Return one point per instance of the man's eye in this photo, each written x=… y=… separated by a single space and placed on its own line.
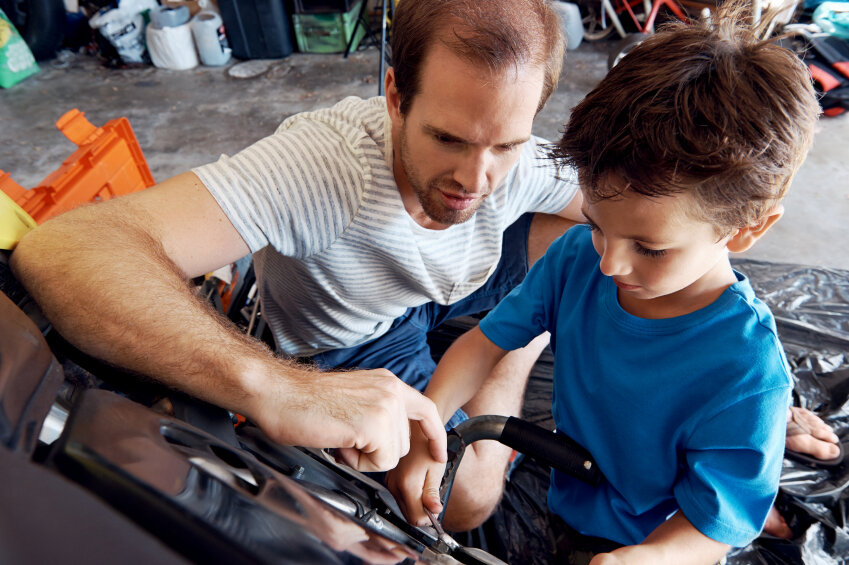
x=649 y=252
x=445 y=140
x=507 y=147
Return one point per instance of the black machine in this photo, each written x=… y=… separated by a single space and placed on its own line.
x=100 y=467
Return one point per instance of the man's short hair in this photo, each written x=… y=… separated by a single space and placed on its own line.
x=493 y=33
x=707 y=108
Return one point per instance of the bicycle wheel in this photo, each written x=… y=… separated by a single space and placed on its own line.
x=596 y=28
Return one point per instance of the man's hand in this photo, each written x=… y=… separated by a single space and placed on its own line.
x=415 y=481
x=364 y=413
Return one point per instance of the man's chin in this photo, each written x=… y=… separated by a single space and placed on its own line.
x=450 y=217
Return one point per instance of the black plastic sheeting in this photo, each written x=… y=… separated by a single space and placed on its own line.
x=811 y=306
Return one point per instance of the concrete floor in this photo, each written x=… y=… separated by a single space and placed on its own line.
x=187 y=118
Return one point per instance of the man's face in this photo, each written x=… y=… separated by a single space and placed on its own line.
x=662 y=260
x=461 y=135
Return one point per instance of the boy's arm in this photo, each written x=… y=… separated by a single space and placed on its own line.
x=461 y=372
x=676 y=542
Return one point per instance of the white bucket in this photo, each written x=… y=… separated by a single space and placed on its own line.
x=172 y=47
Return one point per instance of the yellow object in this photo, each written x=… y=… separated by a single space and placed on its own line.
x=14 y=222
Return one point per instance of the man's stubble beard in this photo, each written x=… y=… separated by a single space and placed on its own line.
x=427 y=193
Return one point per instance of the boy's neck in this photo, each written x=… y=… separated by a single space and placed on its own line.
x=700 y=294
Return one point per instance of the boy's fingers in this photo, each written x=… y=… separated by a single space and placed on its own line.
x=430 y=491
x=413 y=510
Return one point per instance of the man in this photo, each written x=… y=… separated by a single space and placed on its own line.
x=370 y=223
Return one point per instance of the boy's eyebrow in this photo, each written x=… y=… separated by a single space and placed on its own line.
x=634 y=237
x=439 y=132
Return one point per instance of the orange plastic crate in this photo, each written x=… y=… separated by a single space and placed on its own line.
x=107 y=163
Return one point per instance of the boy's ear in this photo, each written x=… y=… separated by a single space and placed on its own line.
x=744 y=238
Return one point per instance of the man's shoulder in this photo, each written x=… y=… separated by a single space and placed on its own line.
x=351 y=113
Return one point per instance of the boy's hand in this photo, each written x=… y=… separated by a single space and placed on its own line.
x=606 y=559
x=415 y=481
x=675 y=542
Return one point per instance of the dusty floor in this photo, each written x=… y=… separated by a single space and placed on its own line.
x=186 y=118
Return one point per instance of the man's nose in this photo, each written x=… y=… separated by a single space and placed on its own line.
x=472 y=172
x=614 y=259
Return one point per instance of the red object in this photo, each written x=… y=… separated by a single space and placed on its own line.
x=107 y=163
x=826 y=80
x=672 y=5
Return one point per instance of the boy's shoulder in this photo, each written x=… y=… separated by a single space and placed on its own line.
x=743 y=329
x=749 y=308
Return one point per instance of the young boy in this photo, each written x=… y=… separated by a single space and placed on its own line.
x=667 y=368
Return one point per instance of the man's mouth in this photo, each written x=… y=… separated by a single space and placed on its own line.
x=458 y=201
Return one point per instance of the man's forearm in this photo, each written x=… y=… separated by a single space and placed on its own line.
x=108 y=287
x=113 y=279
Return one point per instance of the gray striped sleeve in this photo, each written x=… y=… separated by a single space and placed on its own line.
x=296 y=190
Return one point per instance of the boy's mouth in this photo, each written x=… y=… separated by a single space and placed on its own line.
x=624 y=286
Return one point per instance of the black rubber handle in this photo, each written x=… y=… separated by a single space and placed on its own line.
x=555 y=450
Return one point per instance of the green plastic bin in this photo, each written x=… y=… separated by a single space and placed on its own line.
x=329 y=32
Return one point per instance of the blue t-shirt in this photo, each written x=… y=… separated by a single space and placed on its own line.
x=680 y=413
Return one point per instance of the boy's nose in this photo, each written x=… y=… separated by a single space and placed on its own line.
x=614 y=261
x=472 y=173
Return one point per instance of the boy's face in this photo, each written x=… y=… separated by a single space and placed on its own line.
x=664 y=262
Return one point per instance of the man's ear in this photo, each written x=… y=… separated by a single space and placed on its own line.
x=744 y=238
x=393 y=98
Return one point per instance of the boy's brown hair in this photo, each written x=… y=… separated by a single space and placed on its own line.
x=706 y=108
x=493 y=33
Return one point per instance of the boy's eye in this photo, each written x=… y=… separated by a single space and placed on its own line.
x=592 y=226
x=649 y=252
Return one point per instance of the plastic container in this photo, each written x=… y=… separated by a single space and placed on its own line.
x=172 y=47
x=257 y=29
x=328 y=33
x=570 y=19
x=14 y=221
x=164 y=16
x=107 y=163
x=208 y=31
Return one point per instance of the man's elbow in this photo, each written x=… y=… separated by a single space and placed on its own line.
x=24 y=257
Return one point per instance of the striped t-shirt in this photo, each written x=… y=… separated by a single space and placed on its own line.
x=337 y=256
